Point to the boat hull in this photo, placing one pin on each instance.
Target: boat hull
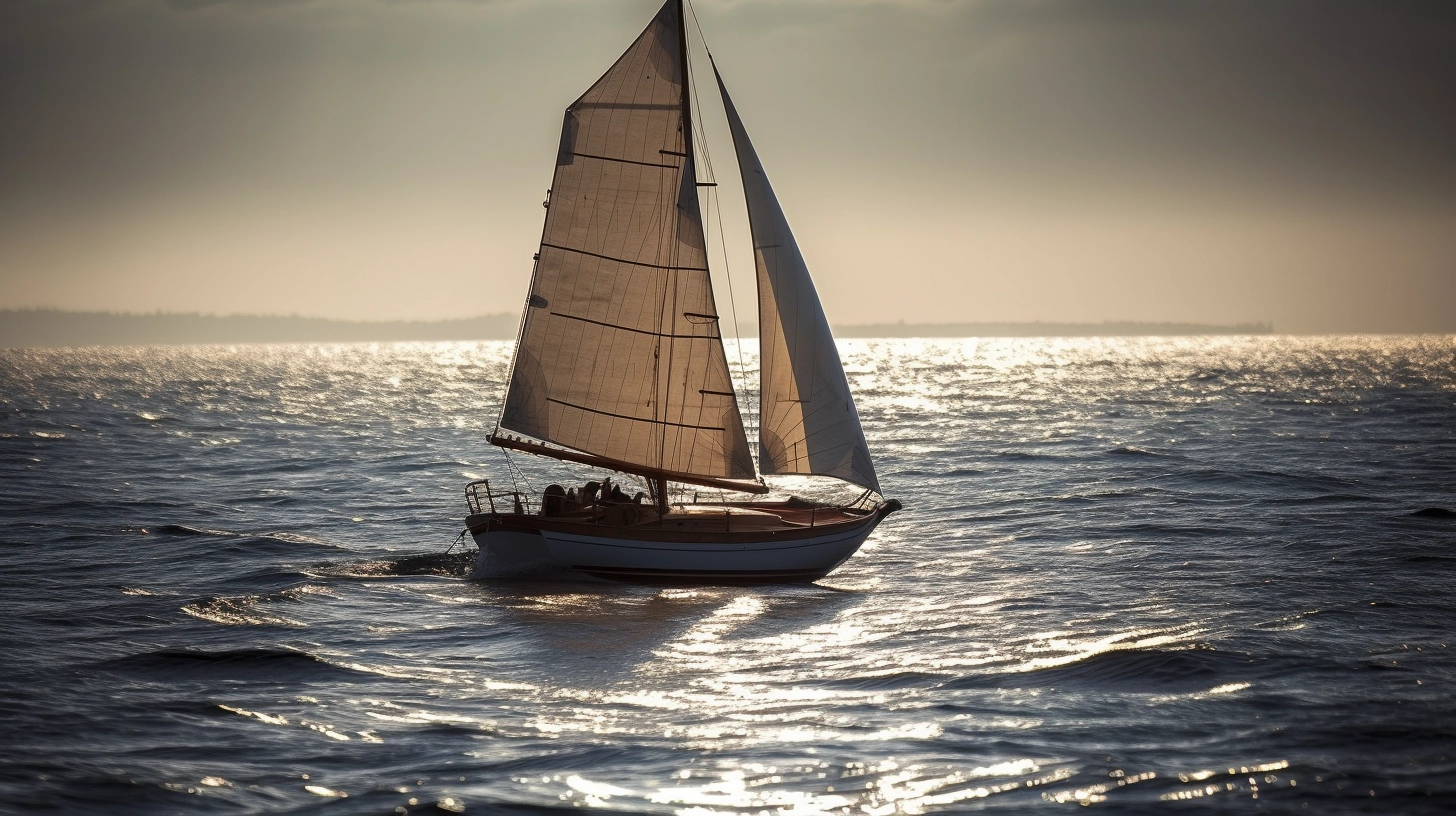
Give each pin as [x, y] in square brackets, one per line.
[513, 543]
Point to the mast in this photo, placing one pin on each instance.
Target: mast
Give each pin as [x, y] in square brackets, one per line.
[659, 483]
[687, 107]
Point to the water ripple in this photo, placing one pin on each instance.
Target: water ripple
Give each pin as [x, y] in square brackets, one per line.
[1151, 573]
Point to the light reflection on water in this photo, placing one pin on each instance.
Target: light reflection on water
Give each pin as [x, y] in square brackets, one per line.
[1141, 572]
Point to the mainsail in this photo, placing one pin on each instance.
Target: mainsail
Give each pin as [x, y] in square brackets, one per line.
[807, 420]
[620, 358]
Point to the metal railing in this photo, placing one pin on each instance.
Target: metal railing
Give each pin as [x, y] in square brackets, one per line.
[481, 499]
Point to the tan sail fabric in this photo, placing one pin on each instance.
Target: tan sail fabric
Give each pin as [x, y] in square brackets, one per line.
[808, 423]
[620, 354]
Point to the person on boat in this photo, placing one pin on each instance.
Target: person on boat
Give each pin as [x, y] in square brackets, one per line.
[588, 495]
[553, 501]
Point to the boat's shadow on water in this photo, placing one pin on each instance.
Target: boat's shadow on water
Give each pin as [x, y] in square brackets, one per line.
[587, 632]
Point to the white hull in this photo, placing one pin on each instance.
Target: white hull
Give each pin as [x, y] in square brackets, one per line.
[802, 558]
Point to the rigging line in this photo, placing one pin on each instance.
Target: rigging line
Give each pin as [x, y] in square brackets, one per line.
[717, 205]
[732, 298]
[698, 26]
[513, 471]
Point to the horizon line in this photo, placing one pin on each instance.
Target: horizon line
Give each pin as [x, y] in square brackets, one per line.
[1264, 325]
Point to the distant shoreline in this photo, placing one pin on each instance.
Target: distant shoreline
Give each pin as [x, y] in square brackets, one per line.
[1109, 328]
[39, 328]
[42, 328]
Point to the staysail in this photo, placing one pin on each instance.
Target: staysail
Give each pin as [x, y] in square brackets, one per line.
[620, 358]
[807, 420]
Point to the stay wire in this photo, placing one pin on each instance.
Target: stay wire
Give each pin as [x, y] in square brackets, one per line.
[717, 205]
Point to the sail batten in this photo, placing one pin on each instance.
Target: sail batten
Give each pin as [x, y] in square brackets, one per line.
[614, 359]
[807, 420]
[624, 260]
[625, 161]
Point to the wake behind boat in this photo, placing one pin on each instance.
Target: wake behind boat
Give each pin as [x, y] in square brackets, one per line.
[620, 362]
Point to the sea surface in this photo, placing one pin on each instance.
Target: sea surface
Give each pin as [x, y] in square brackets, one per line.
[1154, 575]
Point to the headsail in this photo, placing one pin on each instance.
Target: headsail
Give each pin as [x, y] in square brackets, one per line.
[807, 420]
[620, 358]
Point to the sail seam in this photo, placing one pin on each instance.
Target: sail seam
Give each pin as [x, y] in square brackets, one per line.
[635, 419]
[638, 331]
[624, 260]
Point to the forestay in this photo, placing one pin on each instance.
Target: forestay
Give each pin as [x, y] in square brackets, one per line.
[807, 421]
[620, 355]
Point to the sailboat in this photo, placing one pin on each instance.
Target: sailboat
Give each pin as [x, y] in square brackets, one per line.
[620, 362]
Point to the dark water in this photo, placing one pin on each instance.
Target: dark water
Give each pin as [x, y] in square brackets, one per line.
[1159, 575]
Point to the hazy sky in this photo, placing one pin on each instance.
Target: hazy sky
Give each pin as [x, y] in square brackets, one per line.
[940, 160]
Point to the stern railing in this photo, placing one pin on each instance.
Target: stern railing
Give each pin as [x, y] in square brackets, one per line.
[481, 499]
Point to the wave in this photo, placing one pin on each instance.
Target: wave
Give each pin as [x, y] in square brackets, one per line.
[1030, 456]
[1260, 477]
[445, 565]
[268, 500]
[1132, 450]
[885, 682]
[1326, 498]
[184, 530]
[97, 507]
[243, 664]
[251, 610]
[958, 473]
[285, 538]
[1126, 670]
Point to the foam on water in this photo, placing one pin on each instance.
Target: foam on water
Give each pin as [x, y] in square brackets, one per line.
[1155, 573]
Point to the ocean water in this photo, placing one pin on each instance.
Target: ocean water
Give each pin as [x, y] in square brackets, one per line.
[1139, 574]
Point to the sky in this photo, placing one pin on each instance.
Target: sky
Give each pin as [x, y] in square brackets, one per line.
[1213, 161]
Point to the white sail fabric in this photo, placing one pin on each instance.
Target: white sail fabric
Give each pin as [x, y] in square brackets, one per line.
[807, 420]
[620, 354]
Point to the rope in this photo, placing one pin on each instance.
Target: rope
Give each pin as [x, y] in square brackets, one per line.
[513, 471]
